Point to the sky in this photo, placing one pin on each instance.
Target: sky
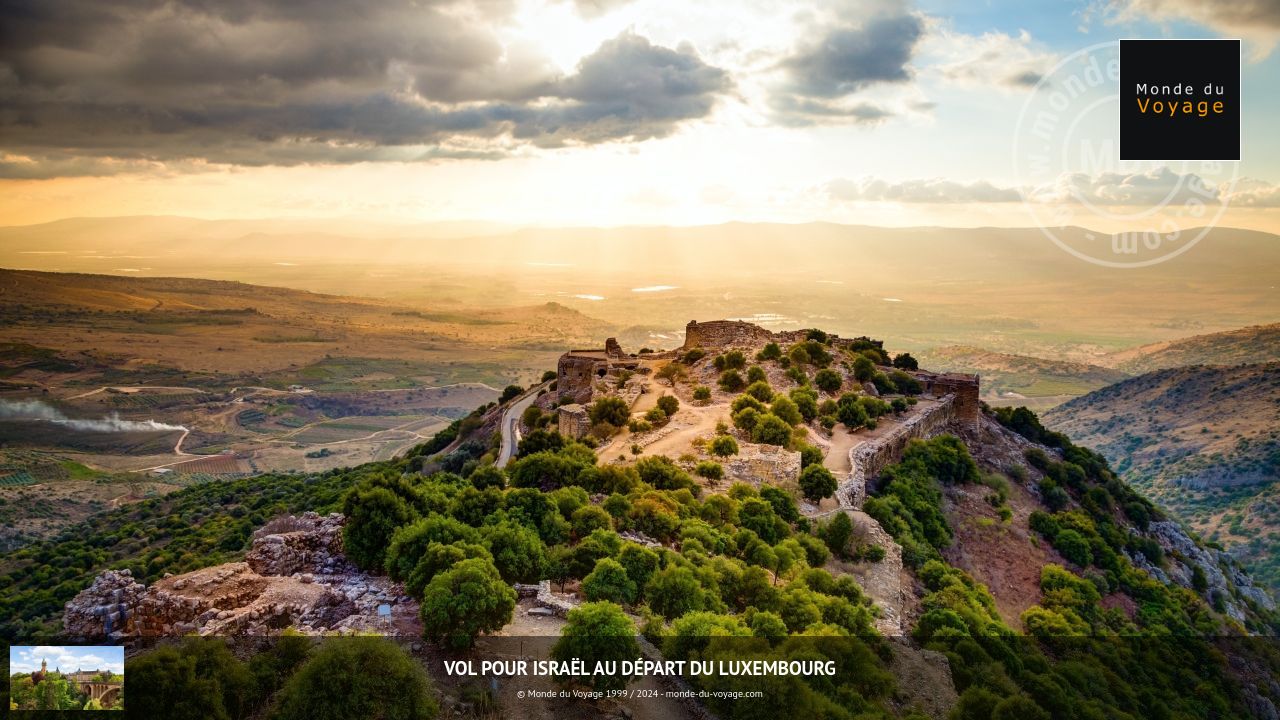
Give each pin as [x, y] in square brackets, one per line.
[67, 658]
[602, 112]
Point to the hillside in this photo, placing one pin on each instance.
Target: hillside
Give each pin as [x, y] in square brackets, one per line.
[1201, 440]
[1254, 344]
[934, 550]
[1009, 290]
[1019, 379]
[147, 384]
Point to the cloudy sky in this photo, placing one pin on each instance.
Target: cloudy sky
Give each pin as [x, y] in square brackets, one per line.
[68, 658]
[591, 112]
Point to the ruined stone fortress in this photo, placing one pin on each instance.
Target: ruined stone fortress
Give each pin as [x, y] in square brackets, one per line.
[579, 373]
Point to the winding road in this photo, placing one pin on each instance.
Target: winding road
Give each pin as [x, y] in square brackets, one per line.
[511, 421]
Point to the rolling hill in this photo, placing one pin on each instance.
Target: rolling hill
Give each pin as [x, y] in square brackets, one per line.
[1019, 379]
[1200, 440]
[1254, 344]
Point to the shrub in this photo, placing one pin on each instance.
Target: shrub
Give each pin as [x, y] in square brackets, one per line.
[589, 518]
[669, 404]
[675, 591]
[760, 391]
[437, 558]
[817, 482]
[510, 392]
[662, 473]
[724, 446]
[399, 689]
[785, 408]
[611, 410]
[518, 553]
[1074, 547]
[771, 430]
[609, 581]
[863, 368]
[806, 402]
[731, 381]
[487, 476]
[905, 362]
[373, 515]
[836, 534]
[597, 632]
[709, 470]
[702, 393]
[461, 603]
[755, 374]
[655, 416]
[770, 351]
[746, 419]
[828, 381]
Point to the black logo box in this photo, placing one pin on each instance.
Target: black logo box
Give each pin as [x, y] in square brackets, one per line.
[1188, 64]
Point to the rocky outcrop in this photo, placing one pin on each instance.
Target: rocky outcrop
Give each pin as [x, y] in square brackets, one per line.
[294, 576]
[103, 609]
[1186, 555]
[294, 545]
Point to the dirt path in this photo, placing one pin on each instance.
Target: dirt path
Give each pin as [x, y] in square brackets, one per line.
[837, 457]
[673, 439]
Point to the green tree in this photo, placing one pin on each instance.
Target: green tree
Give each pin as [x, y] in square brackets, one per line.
[760, 390]
[373, 515]
[437, 558]
[786, 409]
[487, 476]
[851, 413]
[863, 368]
[589, 518]
[904, 361]
[724, 446]
[611, 410]
[609, 581]
[669, 404]
[539, 440]
[817, 482]
[675, 591]
[828, 381]
[731, 381]
[196, 680]
[771, 430]
[518, 553]
[709, 470]
[640, 563]
[662, 473]
[597, 632]
[358, 677]
[408, 543]
[1073, 547]
[459, 604]
[836, 534]
[510, 392]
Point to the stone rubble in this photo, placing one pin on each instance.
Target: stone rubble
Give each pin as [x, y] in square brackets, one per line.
[294, 575]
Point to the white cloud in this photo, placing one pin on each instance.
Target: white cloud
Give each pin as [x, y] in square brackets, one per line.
[1257, 21]
[1159, 186]
[992, 59]
[931, 190]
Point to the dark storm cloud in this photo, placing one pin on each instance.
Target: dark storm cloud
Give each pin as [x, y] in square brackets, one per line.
[844, 61]
[87, 84]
